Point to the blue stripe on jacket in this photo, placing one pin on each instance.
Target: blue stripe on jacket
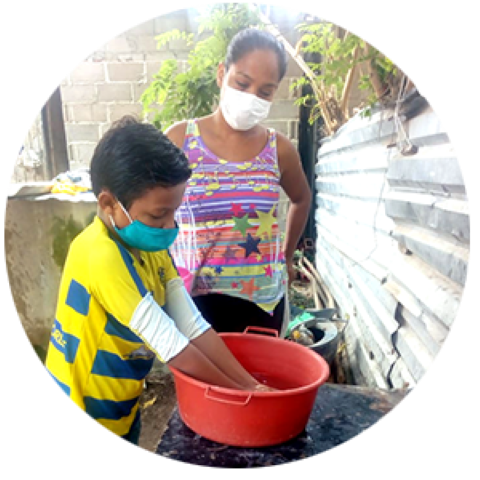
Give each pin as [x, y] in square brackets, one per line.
[110, 365]
[109, 409]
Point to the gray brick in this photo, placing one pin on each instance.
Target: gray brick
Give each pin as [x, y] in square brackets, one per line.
[280, 126]
[283, 109]
[293, 130]
[82, 154]
[117, 44]
[120, 92]
[138, 90]
[82, 133]
[118, 111]
[126, 57]
[125, 72]
[293, 70]
[78, 94]
[283, 90]
[88, 113]
[98, 56]
[158, 56]
[144, 44]
[152, 69]
[88, 72]
[67, 113]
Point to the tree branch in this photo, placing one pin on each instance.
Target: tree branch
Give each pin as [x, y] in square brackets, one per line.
[347, 88]
[317, 89]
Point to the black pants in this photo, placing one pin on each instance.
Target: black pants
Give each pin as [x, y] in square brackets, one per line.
[232, 314]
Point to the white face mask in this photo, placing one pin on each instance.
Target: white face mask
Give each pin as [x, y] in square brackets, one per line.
[241, 110]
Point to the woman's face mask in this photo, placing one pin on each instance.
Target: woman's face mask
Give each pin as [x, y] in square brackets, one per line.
[241, 110]
[143, 237]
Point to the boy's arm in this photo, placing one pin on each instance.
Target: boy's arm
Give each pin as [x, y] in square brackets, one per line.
[190, 322]
[121, 293]
[193, 362]
[215, 349]
[160, 333]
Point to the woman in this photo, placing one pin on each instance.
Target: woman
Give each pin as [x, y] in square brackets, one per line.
[229, 236]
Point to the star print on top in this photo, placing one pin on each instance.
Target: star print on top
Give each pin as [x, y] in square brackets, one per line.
[229, 235]
[242, 224]
[250, 246]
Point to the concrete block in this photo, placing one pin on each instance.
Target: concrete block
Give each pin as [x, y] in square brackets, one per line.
[118, 111]
[78, 94]
[125, 72]
[152, 68]
[159, 56]
[121, 44]
[144, 44]
[293, 70]
[283, 109]
[120, 92]
[82, 155]
[88, 72]
[138, 89]
[88, 113]
[127, 57]
[293, 130]
[283, 91]
[82, 133]
[98, 56]
[104, 128]
[279, 126]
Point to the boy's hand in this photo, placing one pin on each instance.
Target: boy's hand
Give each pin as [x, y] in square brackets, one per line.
[264, 388]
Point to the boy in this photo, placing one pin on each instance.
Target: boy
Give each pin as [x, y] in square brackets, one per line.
[121, 301]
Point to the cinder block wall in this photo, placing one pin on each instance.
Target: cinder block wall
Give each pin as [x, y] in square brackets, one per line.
[110, 82]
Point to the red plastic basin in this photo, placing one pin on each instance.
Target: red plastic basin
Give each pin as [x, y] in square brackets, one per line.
[255, 419]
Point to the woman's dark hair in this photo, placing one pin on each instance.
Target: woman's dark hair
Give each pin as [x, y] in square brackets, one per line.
[134, 157]
[251, 39]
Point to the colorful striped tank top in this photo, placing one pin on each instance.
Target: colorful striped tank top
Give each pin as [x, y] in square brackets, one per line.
[229, 235]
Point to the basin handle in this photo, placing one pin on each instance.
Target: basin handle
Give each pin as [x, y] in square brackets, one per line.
[237, 398]
[253, 329]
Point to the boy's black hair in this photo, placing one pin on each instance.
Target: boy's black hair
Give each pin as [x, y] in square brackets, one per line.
[251, 39]
[133, 157]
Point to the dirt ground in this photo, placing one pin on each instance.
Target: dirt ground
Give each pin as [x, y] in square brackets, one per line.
[156, 403]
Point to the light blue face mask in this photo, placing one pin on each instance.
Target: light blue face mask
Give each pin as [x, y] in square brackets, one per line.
[143, 237]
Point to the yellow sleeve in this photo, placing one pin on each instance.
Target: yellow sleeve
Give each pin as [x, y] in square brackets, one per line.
[114, 281]
[121, 292]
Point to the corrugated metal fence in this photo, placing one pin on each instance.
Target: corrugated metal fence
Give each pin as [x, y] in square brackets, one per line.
[392, 239]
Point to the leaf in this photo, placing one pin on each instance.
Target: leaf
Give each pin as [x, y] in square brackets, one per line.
[193, 92]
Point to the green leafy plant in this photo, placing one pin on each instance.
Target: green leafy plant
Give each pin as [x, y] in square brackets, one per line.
[337, 57]
[176, 95]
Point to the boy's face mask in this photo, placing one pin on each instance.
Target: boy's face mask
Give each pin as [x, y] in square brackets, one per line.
[241, 110]
[143, 237]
